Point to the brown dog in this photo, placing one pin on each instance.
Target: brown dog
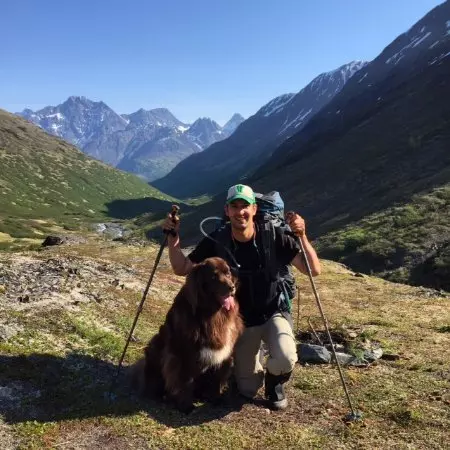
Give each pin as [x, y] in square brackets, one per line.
[191, 355]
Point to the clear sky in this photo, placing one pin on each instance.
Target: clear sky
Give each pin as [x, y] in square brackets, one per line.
[198, 58]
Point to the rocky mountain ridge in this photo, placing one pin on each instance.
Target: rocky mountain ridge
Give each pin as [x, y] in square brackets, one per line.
[147, 142]
[238, 156]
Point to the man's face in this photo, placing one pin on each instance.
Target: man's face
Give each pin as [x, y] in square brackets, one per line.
[241, 214]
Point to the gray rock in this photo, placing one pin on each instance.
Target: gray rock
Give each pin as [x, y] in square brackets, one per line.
[345, 359]
[314, 354]
[373, 354]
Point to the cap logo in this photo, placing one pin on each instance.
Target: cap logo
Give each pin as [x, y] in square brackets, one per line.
[241, 191]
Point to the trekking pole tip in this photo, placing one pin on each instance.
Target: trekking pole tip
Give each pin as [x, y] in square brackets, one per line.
[354, 416]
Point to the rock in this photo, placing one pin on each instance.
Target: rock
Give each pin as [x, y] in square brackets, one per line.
[337, 347]
[52, 240]
[373, 354]
[345, 359]
[315, 354]
[359, 275]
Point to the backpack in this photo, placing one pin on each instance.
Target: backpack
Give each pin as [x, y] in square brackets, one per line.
[270, 215]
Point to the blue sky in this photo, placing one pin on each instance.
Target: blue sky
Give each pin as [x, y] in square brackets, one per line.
[198, 58]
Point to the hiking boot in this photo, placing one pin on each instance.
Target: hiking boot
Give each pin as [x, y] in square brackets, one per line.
[274, 390]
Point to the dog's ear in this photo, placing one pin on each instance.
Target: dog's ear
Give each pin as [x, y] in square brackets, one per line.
[194, 286]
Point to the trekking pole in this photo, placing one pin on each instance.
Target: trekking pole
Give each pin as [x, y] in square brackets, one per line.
[354, 415]
[173, 213]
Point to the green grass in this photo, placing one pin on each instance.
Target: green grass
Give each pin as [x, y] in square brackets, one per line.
[44, 181]
[65, 358]
[407, 243]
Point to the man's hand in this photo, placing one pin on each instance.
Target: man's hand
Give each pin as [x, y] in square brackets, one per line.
[296, 223]
[171, 224]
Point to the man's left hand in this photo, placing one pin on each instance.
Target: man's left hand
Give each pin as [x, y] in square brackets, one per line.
[296, 223]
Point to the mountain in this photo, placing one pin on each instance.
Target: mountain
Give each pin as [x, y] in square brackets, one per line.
[230, 127]
[78, 120]
[153, 152]
[425, 44]
[204, 132]
[371, 171]
[159, 117]
[148, 143]
[408, 243]
[44, 177]
[252, 143]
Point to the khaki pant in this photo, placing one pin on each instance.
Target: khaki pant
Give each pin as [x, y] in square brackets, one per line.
[277, 334]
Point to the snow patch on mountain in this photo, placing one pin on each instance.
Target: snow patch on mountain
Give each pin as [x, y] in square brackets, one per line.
[439, 58]
[276, 105]
[414, 42]
[297, 121]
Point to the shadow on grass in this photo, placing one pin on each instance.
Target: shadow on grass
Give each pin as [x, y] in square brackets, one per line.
[154, 207]
[47, 388]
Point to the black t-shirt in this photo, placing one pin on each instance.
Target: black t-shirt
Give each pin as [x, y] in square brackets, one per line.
[258, 296]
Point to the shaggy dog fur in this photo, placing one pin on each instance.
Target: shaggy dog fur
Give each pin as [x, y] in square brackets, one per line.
[191, 355]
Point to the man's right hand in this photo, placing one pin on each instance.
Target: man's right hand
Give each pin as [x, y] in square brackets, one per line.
[172, 223]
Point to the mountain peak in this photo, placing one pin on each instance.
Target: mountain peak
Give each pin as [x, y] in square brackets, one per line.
[206, 120]
[203, 124]
[157, 117]
[78, 99]
[232, 124]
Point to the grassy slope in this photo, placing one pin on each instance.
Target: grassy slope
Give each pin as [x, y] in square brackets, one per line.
[70, 354]
[407, 243]
[42, 177]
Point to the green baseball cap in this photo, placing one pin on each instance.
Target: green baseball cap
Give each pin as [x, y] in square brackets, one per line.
[242, 192]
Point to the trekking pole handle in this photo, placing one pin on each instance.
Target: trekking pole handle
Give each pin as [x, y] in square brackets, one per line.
[175, 210]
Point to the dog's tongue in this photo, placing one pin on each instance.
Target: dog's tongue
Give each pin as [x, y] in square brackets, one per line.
[228, 302]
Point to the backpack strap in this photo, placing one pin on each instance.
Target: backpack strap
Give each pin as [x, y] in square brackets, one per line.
[224, 244]
[267, 238]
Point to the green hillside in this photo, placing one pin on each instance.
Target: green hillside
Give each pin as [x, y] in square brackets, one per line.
[408, 243]
[45, 180]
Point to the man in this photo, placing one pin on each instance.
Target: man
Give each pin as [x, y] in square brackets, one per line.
[258, 295]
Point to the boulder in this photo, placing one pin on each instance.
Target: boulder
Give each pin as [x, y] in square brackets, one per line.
[52, 240]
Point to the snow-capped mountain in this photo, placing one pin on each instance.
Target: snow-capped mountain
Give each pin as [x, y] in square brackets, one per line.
[297, 109]
[204, 132]
[319, 111]
[255, 138]
[158, 117]
[425, 44]
[427, 40]
[382, 141]
[147, 142]
[78, 120]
